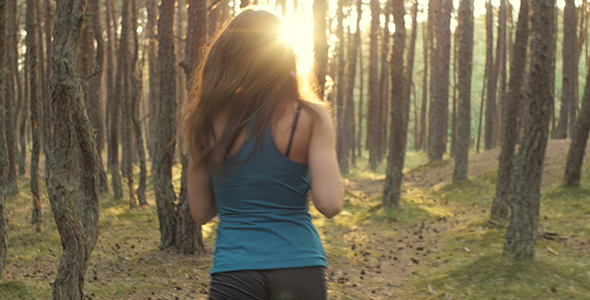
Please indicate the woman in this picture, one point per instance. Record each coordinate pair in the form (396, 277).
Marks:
(256, 149)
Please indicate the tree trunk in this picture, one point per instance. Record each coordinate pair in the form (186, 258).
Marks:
(154, 81)
(320, 44)
(128, 25)
(166, 128)
(43, 85)
(492, 79)
(570, 71)
(521, 236)
(426, 33)
(46, 96)
(374, 92)
(580, 41)
(438, 117)
(110, 80)
(135, 91)
(465, 37)
(23, 98)
(10, 102)
(31, 27)
(501, 68)
(510, 113)
(96, 112)
(384, 86)
(455, 87)
(399, 115)
(348, 116)
(78, 229)
(190, 237)
(410, 68)
(575, 157)
(340, 85)
(4, 161)
(119, 95)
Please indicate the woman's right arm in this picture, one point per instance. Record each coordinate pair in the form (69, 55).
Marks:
(201, 201)
(326, 188)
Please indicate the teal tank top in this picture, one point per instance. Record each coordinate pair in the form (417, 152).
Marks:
(264, 211)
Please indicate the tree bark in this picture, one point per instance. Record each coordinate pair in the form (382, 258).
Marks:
(438, 116)
(510, 112)
(410, 68)
(348, 115)
(166, 128)
(340, 85)
(110, 77)
(31, 28)
(501, 68)
(190, 237)
(48, 26)
(4, 161)
(320, 44)
(575, 157)
(374, 92)
(426, 33)
(154, 81)
(119, 94)
(399, 115)
(492, 79)
(521, 236)
(127, 28)
(10, 99)
(359, 137)
(78, 229)
(465, 37)
(570, 71)
(384, 86)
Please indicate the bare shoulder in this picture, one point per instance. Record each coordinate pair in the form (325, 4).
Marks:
(318, 113)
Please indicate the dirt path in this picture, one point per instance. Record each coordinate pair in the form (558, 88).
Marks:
(380, 258)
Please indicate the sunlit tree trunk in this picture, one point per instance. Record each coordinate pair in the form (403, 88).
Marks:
(340, 86)
(521, 236)
(348, 126)
(384, 85)
(465, 39)
(510, 112)
(124, 68)
(400, 110)
(166, 128)
(320, 44)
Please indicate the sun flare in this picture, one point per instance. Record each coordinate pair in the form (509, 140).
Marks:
(299, 33)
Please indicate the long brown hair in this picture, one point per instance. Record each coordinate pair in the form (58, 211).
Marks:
(248, 72)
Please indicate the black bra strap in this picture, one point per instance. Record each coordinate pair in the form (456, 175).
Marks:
(293, 130)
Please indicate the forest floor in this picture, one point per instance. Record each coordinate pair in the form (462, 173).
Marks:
(439, 244)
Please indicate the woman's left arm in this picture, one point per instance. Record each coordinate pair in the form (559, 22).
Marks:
(201, 201)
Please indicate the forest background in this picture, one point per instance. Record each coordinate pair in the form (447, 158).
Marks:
(419, 93)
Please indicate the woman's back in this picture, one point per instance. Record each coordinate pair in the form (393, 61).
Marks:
(262, 202)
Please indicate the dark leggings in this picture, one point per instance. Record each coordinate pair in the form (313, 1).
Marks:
(280, 284)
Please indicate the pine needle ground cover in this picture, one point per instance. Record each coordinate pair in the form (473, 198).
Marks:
(439, 244)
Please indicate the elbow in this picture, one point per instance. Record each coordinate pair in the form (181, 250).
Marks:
(330, 213)
(332, 208)
(200, 218)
